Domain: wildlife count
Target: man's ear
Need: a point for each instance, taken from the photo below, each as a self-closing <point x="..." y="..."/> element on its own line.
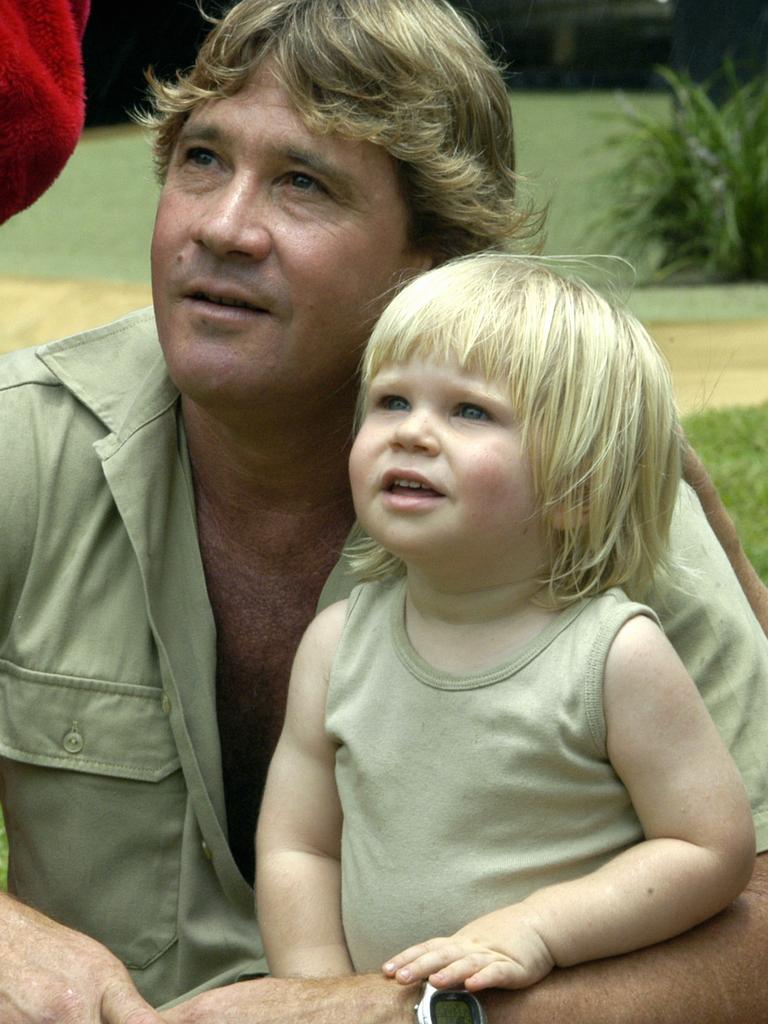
<point x="419" y="261"/>
<point x="424" y="260"/>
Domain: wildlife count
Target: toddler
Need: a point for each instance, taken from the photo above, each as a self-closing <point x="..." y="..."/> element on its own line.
<point x="493" y="762"/>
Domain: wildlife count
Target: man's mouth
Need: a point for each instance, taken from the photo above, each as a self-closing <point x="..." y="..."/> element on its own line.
<point x="222" y="300"/>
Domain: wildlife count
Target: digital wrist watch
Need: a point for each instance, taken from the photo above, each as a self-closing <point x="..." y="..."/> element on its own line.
<point x="449" y="1006"/>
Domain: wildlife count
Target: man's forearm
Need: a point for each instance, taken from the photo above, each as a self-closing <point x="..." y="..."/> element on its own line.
<point x="358" y="999"/>
<point x="723" y="528"/>
<point x="714" y="974"/>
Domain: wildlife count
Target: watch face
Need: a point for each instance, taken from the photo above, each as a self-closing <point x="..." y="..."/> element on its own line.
<point x="452" y="1011"/>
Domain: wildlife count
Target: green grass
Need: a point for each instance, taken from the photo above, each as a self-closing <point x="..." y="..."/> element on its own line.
<point x="733" y="444"/>
<point x="96" y="219"/>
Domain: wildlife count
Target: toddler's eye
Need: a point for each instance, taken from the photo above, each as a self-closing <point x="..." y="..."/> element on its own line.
<point x="394" y="403"/>
<point x="467" y="411"/>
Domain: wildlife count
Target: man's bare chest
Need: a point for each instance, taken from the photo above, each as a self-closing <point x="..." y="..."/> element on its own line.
<point x="260" y="617"/>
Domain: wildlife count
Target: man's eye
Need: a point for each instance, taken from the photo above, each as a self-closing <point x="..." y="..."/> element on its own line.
<point x="304" y="182"/>
<point x="199" y="156"/>
<point x="468" y="411"/>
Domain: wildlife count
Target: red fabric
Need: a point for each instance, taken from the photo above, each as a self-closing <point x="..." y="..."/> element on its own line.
<point x="42" y="95"/>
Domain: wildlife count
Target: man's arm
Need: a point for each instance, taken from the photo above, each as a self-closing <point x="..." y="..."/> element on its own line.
<point x="714" y="974"/>
<point x="354" y="999"/>
<point x="51" y="973"/>
<point x="723" y="528"/>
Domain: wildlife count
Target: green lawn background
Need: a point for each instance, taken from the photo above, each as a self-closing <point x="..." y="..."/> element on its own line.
<point x="96" y="222"/>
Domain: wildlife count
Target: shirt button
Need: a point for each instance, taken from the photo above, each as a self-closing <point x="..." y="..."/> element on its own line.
<point x="73" y="741"/>
<point x="166" y="704"/>
<point x="206" y="850"/>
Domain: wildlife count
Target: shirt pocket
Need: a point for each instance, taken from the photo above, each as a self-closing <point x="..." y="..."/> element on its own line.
<point x="94" y="800"/>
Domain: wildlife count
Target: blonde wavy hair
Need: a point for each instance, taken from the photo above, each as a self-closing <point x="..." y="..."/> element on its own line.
<point x="593" y="397"/>
<point x="409" y="75"/>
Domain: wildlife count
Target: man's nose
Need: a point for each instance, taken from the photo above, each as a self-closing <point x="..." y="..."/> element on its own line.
<point x="235" y="221"/>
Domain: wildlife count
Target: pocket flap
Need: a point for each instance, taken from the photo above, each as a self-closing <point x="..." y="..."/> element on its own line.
<point x="86" y="725"/>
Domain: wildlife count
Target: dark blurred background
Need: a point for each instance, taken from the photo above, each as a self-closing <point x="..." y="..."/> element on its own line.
<point x="121" y="39"/>
<point x="617" y="43"/>
<point x="545" y="44"/>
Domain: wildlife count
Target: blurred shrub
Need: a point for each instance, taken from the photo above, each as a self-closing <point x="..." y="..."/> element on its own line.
<point x="691" y="195"/>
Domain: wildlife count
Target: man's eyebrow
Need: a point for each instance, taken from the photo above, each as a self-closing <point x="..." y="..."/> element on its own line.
<point x="315" y="162"/>
<point x="203" y="132"/>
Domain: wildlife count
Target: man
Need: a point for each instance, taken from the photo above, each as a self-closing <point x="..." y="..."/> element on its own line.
<point x="176" y="509"/>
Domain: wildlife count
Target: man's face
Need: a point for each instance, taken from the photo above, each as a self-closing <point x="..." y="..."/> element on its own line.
<point x="272" y="250"/>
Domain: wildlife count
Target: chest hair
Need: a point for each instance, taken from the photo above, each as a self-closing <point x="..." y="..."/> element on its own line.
<point x="261" y="607"/>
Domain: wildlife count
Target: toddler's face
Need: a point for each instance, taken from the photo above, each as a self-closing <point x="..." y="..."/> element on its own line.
<point x="439" y="476"/>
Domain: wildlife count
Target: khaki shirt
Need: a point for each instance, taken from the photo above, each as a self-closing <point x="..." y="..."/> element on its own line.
<point x="110" y="773"/>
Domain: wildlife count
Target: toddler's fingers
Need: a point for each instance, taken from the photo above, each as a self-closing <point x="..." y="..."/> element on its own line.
<point x="411" y="955"/>
<point x="418" y="962"/>
<point x="407" y="955"/>
<point x="503" y="974"/>
<point x="455" y="974"/>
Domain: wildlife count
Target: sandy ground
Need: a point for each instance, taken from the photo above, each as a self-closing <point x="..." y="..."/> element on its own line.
<point x="713" y="364"/>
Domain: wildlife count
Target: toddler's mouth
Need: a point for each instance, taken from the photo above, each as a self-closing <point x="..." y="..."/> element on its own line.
<point x="407" y="485"/>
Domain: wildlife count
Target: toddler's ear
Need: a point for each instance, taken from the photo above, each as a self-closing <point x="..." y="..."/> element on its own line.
<point x="569" y="516"/>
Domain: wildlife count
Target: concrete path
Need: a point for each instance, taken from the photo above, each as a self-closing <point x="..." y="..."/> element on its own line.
<point x="714" y="364"/>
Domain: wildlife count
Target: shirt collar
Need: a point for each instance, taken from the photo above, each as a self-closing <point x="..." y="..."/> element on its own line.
<point x="125" y="385"/>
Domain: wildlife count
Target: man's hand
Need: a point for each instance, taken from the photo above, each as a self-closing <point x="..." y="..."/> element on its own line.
<point x="50" y="974"/>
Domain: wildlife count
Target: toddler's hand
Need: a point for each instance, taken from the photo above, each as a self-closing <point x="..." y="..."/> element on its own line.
<point x="474" y="960"/>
